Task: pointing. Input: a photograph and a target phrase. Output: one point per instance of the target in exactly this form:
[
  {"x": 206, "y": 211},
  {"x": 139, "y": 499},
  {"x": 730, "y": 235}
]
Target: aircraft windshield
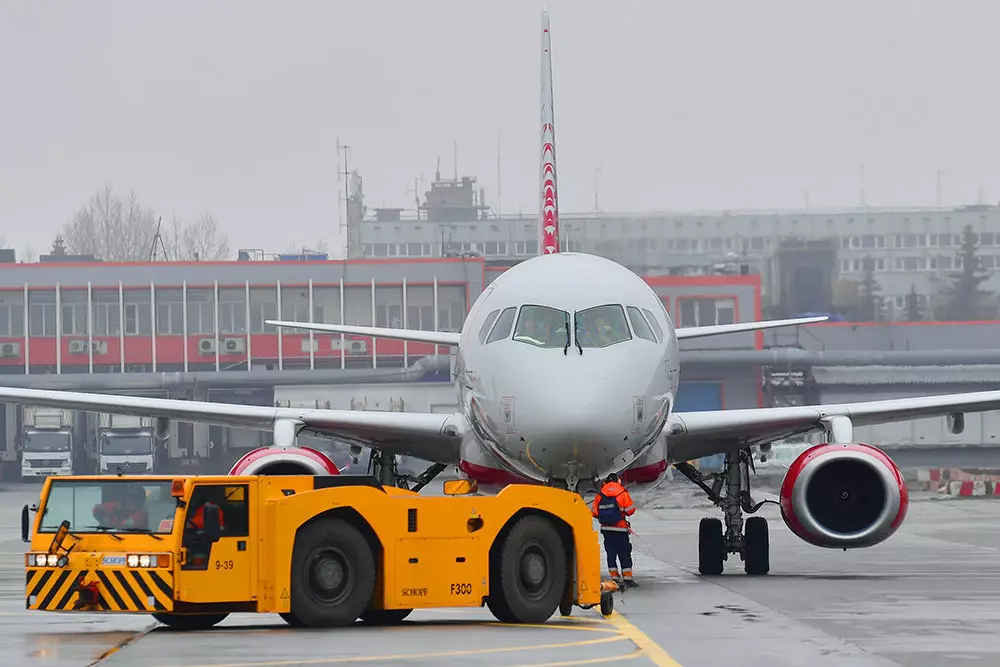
[
  {"x": 601, "y": 326},
  {"x": 47, "y": 442},
  {"x": 116, "y": 504},
  {"x": 122, "y": 445},
  {"x": 542, "y": 326}
]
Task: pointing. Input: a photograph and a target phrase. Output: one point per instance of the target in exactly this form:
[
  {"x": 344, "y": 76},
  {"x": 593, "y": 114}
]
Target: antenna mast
[{"x": 346, "y": 220}]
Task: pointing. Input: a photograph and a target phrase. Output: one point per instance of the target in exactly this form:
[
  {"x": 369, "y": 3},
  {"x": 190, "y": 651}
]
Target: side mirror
[
  {"x": 24, "y": 524},
  {"x": 460, "y": 487},
  {"x": 213, "y": 526}
]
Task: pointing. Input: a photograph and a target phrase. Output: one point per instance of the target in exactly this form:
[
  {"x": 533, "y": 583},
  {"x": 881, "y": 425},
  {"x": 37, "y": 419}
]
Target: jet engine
[
  {"x": 843, "y": 496},
  {"x": 285, "y": 461}
]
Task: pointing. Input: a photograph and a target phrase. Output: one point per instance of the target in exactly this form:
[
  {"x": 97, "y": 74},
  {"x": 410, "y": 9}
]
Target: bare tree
[
  {"x": 29, "y": 256},
  {"x": 200, "y": 241},
  {"x": 3, "y": 241},
  {"x": 112, "y": 229},
  {"x": 319, "y": 246}
]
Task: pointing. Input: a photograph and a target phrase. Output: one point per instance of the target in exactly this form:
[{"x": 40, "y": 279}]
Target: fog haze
[{"x": 237, "y": 106}]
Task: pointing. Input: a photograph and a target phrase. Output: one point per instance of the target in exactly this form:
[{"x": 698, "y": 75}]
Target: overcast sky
[{"x": 237, "y": 106}]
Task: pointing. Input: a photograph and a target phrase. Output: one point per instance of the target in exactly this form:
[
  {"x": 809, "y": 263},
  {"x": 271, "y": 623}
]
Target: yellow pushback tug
[{"x": 319, "y": 551}]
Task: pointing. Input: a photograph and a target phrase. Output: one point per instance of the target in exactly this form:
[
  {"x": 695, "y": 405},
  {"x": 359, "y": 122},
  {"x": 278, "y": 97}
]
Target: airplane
[{"x": 567, "y": 369}]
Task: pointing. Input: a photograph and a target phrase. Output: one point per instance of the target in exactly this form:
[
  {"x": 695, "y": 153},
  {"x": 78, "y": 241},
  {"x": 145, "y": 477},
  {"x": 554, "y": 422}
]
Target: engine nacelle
[
  {"x": 843, "y": 496},
  {"x": 285, "y": 461}
]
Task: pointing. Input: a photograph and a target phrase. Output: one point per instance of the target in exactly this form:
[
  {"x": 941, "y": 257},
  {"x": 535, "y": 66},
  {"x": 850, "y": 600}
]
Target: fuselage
[{"x": 567, "y": 368}]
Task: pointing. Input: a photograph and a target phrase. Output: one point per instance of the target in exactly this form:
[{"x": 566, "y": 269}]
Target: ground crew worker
[
  {"x": 197, "y": 520},
  {"x": 126, "y": 513},
  {"x": 611, "y": 505}
]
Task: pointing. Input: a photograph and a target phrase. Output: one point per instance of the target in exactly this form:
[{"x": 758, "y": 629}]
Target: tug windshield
[{"x": 112, "y": 505}]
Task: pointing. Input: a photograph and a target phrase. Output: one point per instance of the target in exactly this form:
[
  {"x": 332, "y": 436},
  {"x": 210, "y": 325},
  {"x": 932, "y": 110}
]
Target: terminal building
[{"x": 196, "y": 330}]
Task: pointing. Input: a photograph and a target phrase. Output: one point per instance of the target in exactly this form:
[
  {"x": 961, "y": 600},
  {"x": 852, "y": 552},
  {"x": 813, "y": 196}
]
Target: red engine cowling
[
  {"x": 285, "y": 461},
  {"x": 843, "y": 496}
]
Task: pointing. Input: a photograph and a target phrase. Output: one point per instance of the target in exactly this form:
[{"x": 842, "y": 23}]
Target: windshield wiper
[
  {"x": 144, "y": 531},
  {"x": 109, "y": 530},
  {"x": 566, "y": 349},
  {"x": 576, "y": 334}
]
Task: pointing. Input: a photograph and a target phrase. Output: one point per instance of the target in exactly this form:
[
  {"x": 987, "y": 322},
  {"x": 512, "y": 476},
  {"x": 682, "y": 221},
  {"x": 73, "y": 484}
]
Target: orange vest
[{"x": 624, "y": 500}]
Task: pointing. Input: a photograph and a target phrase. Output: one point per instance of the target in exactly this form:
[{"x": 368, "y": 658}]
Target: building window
[
  {"x": 11, "y": 319},
  {"x": 700, "y": 312},
  {"x": 107, "y": 317},
  {"x": 42, "y": 313}
]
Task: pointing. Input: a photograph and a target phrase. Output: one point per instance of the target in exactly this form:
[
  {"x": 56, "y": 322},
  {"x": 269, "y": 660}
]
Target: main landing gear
[
  {"x": 730, "y": 490},
  {"x": 384, "y": 468}
]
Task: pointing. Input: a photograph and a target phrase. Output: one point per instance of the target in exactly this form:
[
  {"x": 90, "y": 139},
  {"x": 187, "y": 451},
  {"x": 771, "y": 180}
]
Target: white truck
[
  {"x": 126, "y": 444},
  {"x": 46, "y": 442}
]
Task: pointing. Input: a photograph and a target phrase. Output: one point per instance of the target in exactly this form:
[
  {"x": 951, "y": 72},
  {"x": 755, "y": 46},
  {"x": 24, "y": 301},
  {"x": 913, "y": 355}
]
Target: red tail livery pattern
[{"x": 549, "y": 209}]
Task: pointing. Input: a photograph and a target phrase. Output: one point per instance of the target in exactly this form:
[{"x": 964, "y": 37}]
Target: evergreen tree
[
  {"x": 966, "y": 300},
  {"x": 914, "y": 313},
  {"x": 870, "y": 307}
]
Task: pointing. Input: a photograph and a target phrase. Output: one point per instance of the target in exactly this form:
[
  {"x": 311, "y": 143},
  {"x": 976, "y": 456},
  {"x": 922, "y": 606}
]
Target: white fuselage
[{"x": 547, "y": 411}]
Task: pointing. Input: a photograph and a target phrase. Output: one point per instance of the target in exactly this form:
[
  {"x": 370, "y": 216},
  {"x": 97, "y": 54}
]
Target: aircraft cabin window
[
  {"x": 601, "y": 326},
  {"x": 542, "y": 326},
  {"x": 487, "y": 324},
  {"x": 639, "y": 324},
  {"x": 503, "y": 326},
  {"x": 657, "y": 329}
]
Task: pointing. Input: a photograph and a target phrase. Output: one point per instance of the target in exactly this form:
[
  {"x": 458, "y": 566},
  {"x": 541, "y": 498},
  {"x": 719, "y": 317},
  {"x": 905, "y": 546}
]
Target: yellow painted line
[
  {"x": 650, "y": 649},
  {"x": 586, "y": 626},
  {"x": 588, "y": 661},
  {"x": 417, "y": 656}
]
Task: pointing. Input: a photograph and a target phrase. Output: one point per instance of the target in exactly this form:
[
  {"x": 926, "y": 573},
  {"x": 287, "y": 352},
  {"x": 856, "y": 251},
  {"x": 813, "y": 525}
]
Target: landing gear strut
[
  {"x": 730, "y": 490},
  {"x": 385, "y": 469}
]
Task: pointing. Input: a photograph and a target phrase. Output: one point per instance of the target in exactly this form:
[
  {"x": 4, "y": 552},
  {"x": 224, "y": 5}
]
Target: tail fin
[{"x": 549, "y": 210}]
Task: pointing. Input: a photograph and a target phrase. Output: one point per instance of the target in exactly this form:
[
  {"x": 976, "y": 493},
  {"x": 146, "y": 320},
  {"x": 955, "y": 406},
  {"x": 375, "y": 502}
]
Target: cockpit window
[
  {"x": 504, "y": 324},
  {"x": 542, "y": 326},
  {"x": 657, "y": 329},
  {"x": 487, "y": 324},
  {"x": 601, "y": 326},
  {"x": 639, "y": 324}
]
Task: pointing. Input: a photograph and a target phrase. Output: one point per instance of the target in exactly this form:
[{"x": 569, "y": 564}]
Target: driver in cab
[{"x": 125, "y": 509}]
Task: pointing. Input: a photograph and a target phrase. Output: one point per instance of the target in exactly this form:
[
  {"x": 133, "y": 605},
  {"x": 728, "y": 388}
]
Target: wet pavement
[{"x": 926, "y": 597}]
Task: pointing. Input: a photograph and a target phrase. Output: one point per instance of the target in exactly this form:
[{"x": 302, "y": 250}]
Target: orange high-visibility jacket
[{"x": 621, "y": 496}]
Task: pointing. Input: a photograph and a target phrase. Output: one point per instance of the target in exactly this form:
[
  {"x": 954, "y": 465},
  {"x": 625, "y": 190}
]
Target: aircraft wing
[
  {"x": 739, "y": 327},
  {"x": 432, "y": 437},
  {"x": 414, "y": 335},
  {"x": 692, "y": 435}
]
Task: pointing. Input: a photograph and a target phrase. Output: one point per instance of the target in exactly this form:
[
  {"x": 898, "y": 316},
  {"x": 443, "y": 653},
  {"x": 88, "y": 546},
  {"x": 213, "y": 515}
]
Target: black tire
[
  {"x": 187, "y": 622},
  {"x": 756, "y": 546},
  {"x": 385, "y": 616},
  {"x": 711, "y": 547},
  {"x": 532, "y": 573},
  {"x": 291, "y": 619},
  {"x": 565, "y": 608},
  {"x": 607, "y": 603},
  {"x": 333, "y": 574}
]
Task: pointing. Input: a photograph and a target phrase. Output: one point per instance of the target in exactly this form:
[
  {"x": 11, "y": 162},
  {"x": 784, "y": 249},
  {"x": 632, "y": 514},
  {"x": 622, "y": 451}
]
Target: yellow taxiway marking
[
  {"x": 421, "y": 656},
  {"x": 650, "y": 649},
  {"x": 638, "y": 653}
]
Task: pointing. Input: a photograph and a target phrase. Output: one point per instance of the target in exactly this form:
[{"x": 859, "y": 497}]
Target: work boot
[
  {"x": 615, "y": 577},
  {"x": 629, "y": 581}
]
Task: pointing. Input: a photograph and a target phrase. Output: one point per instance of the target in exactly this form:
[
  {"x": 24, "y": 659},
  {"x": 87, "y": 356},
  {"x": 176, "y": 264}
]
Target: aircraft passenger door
[{"x": 220, "y": 571}]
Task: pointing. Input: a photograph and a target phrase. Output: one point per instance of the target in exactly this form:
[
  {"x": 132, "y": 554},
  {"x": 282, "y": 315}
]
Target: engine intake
[
  {"x": 285, "y": 461},
  {"x": 843, "y": 496}
]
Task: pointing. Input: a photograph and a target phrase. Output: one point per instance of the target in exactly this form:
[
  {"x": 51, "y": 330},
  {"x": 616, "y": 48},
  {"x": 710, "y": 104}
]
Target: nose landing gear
[{"x": 730, "y": 490}]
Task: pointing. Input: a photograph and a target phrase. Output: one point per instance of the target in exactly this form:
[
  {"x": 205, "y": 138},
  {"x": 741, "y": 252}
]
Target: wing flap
[
  {"x": 693, "y": 435},
  {"x": 684, "y": 333},
  {"x": 412, "y": 335},
  {"x": 428, "y": 436}
]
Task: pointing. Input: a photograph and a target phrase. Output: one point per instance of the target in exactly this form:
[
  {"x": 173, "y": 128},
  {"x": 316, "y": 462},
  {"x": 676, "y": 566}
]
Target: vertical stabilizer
[{"x": 549, "y": 210}]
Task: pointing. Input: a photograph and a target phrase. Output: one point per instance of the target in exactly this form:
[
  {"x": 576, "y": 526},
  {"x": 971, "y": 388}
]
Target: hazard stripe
[{"x": 121, "y": 590}]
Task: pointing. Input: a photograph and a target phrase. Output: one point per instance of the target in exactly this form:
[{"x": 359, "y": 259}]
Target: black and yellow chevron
[{"x": 121, "y": 590}]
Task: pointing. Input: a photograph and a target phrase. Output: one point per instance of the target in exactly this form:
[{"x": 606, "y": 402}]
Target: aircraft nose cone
[{"x": 589, "y": 421}]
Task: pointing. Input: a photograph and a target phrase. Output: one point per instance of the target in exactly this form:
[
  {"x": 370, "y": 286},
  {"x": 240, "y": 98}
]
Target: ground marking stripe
[
  {"x": 417, "y": 656},
  {"x": 651, "y": 649}
]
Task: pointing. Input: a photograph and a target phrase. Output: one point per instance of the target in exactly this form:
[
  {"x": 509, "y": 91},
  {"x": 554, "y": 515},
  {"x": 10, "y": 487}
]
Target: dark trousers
[{"x": 619, "y": 549}]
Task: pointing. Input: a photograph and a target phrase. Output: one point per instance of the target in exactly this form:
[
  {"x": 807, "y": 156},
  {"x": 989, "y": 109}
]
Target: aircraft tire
[
  {"x": 333, "y": 574},
  {"x": 711, "y": 547},
  {"x": 756, "y": 559},
  {"x": 187, "y": 622},
  {"x": 532, "y": 571},
  {"x": 385, "y": 616}
]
